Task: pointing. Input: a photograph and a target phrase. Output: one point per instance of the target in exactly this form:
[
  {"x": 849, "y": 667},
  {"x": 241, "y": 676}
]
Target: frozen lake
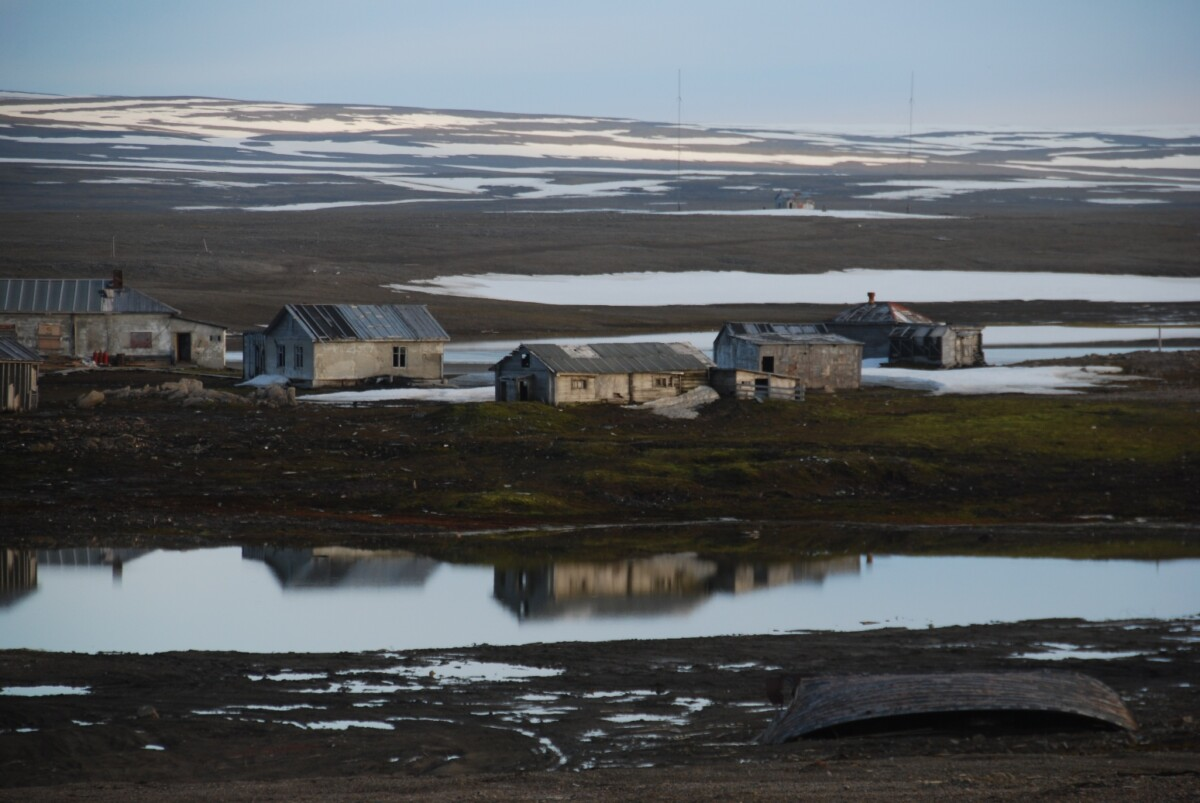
[
  {"x": 700, "y": 288},
  {"x": 331, "y": 599}
]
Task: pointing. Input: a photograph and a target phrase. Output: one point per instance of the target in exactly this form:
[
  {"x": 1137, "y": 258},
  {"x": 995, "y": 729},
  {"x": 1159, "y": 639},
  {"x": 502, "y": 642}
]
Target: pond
[{"x": 264, "y": 599}]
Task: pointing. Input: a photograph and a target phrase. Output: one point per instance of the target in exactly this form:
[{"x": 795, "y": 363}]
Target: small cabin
[
  {"x": 805, "y": 352},
  {"x": 872, "y": 323},
  {"x": 939, "y": 346},
  {"x": 613, "y": 373},
  {"x": 83, "y": 318},
  {"x": 332, "y": 345}
]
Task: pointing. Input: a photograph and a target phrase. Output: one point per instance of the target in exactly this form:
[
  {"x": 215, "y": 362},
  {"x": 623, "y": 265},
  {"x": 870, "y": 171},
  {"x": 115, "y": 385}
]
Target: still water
[{"x": 258, "y": 599}]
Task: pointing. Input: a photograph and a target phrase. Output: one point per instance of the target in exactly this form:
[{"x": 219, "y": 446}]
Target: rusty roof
[
  {"x": 76, "y": 296},
  {"x": 880, "y": 312},
  {"x": 820, "y": 703},
  {"x": 334, "y": 322},
  {"x": 618, "y": 358}
]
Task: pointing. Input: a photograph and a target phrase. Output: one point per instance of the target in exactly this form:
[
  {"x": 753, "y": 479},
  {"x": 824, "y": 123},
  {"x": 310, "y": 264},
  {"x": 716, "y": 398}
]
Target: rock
[
  {"x": 147, "y": 712},
  {"x": 90, "y": 399}
]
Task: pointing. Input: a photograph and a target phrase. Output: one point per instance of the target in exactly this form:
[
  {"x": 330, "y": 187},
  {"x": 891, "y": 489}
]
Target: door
[
  {"x": 523, "y": 390},
  {"x": 183, "y": 347}
]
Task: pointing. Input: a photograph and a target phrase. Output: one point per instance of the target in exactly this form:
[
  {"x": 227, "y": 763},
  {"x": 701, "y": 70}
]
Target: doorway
[{"x": 183, "y": 347}]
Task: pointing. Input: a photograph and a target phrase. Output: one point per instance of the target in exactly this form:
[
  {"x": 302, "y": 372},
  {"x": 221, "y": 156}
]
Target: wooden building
[
  {"x": 872, "y": 323},
  {"x": 18, "y": 376},
  {"x": 803, "y": 352},
  {"x": 938, "y": 346},
  {"x": 616, "y": 373},
  {"x": 84, "y": 317},
  {"x": 330, "y": 345}
]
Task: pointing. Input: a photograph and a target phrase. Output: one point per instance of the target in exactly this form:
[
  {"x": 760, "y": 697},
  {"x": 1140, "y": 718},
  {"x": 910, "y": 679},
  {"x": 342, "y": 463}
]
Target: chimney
[
  {"x": 118, "y": 280},
  {"x": 870, "y": 298}
]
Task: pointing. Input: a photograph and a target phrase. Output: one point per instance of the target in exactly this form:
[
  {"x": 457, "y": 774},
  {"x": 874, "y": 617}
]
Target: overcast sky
[{"x": 1053, "y": 63}]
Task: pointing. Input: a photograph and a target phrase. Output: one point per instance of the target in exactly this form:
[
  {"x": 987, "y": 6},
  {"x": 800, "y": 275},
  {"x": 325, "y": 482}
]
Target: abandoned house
[
  {"x": 937, "y": 346},
  {"x": 323, "y": 345},
  {"x": 18, "y": 376},
  {"x": 618, "y": 373},
  {"x": 764, "y": 353},
  {"x": 85, "y": 317},
  {"x": 872, "y": 323}
]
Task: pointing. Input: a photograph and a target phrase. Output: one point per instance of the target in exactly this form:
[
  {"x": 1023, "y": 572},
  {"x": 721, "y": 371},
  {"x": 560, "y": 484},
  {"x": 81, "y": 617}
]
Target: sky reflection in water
[{"x": 278, "y": 600}]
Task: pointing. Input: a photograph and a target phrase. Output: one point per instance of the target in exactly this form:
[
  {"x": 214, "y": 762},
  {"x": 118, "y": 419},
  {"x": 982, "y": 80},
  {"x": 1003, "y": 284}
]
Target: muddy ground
[{"x": 672, "y": 720}]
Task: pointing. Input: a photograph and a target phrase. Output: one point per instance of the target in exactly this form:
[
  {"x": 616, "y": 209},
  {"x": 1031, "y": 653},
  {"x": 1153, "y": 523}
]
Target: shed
[
  {"x": 82, "y": 317},
  {"x": 872, "y": 323},
  {"x": 804, "y": 352},
  {"x": 322, "y": 345},
  {"x": 18, "y": 376},
  {"x": 618, "y": 373},
  {"x": 938, "y": 346}
]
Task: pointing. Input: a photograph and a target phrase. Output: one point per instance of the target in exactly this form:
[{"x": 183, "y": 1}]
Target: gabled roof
[
  {"x": 767, "y": 333},
  {"x": 75, "y": 296},
  {"x": 880, "y": 312},
  {"x": 334, "y": 322},
  {"x": 618, "y": 358},
  {"x": 12, "y": 351}
]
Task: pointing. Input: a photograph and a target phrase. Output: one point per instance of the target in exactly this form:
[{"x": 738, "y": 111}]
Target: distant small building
[
  {"x": 616, "y": 373},
  {"x": 18, "y": 376},
  {"x": 323, "y": 345},
  {"x": 805, "y": 352},
  {"x": 82, "y": 317},
  {"x": 872, "y": 323},
  {"x": 937, "y": 346},
  {"x": 793, "y": 201}
]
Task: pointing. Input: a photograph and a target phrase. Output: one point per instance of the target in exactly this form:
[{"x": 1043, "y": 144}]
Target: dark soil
[{"x": 674, "y": 720}]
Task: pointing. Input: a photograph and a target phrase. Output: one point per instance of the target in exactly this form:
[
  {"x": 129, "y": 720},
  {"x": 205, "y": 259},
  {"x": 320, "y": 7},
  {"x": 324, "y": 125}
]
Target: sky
[{"x": 1029, "y": 63}]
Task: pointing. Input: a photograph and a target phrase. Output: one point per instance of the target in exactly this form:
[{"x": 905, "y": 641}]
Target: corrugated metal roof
[
  {"x": 920, "y": 331},
  {"x": 330, "y": 322},
  {"x": 75, "y": 296},
  {"x": 794, "y": 333},
  {"x": 12, "y": 351},
  {"x": 881, "y": 312},
  {"x": 619, "y": 358}
]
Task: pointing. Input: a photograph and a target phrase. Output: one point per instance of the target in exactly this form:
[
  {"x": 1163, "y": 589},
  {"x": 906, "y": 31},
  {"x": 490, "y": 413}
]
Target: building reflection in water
[
  {"x": 19, "y": 567},
  {"x": 661, "y": 584},
  {"x": 329, "y": 567}
]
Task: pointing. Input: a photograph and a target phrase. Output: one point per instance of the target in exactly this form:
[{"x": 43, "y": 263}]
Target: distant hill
[{"x": 197, "y": 154}]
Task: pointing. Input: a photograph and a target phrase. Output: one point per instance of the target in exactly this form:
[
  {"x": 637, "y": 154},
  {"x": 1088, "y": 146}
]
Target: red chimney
[
  {"x": 870, "y": 298},
  {"x": 118, "y": 280}
]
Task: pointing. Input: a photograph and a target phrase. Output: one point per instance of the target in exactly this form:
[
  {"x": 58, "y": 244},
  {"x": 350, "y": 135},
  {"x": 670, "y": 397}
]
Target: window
[
  {"x": 666, "y": 381},
  {"x": 298, "y": 356},
  {"x": 579, "y": 384},
  {"x": 524, "y": 359},
  {"x": 399, "y": 357},
  {"x": 768, "y": 365},
  {"x": 280, "y": 356},
  {"x": 140, "y": 340}
]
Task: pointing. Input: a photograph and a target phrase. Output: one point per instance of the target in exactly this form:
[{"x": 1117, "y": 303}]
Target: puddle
[
  {"x": 288, "y": 676},
  {"x": 43, "y": 691},
  {"x": 405, "y": 602},
  {"x": 154, "y": 747},
  {"x": 1061, "y": 652},
  {"x": 339, "y": 725}
]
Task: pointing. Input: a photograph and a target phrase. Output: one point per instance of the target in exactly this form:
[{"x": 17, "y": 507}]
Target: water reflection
[
  {"x": 333, "y": 599},
  {"x": 331, "y": 567},
  {"x": 656, "y": 585}
]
